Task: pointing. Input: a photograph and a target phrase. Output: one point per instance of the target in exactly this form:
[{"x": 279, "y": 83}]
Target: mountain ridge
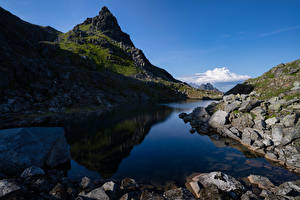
[{"x": 47, "y": 71}]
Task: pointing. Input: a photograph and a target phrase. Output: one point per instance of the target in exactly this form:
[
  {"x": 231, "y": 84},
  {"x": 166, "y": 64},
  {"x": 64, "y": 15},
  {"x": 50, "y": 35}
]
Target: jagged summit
[{"x": 107, "y": 23}]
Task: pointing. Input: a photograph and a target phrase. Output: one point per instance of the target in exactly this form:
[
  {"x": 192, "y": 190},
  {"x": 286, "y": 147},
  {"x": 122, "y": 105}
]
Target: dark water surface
[{"x": 152, "y": 145}]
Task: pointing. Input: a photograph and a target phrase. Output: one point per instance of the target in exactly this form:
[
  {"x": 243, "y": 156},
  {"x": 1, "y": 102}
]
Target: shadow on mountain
[{"x": 101, "y": 143}]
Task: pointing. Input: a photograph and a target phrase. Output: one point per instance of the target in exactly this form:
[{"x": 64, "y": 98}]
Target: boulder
[
  {"x": 178, "y": 194},
  {"x": 17, "y": 152},
  {"x": 200, "y": 114},
  {"x": 259, "y": 112},
  {"x": 243, "y": 121},
  {"x": 97, "y": 194},
  {"x": 289, "y": 120},
  {"x": 229, "y": 98},
  {"x": 222, "y": 181},
  {"x": 112, "y": 189},
  {"x": 32, "y": 171},
  {"x": 249, "y": 196},
  {"x": 277, "y": 135},
  {"x": 289, "y": 188},
  {"x": 218, "y": 119},
  {"x": 232, "y": 106},
  {"x": 246, "y": 106},
  {"x": 260, "y": 124},
  {"x": 8, "y": 187},
  {"x": 262, "y": 182},
  {"x": 249, "y": 136},
  {"x": 272, "y": 121},
  {"x": 276, "y": 107},
  {"x": 296, "y": 85}
]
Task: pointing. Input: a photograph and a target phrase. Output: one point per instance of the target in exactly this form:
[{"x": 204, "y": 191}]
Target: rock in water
[
  {"x": 21, "y": 148},
  {"x": 218, "y": 119}
]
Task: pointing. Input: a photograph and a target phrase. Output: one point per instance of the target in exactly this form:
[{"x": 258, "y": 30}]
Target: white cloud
[
  {"x": 280, "y": 31},
  {"x": 217, "y": 75}
]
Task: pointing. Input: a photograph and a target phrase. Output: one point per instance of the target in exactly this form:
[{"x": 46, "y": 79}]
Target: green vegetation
[{"x": 279, "y": 80}]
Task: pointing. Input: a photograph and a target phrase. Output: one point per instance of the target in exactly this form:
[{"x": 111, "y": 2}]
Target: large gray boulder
[
  {"x": 246, "y": 106},
  {"x": 21, "y": 148},
  {"x": 218, "y": 119},
  {"x": 7, "y": 187},
  {"x": 232, "y": 106},
  {"x": 288, "y": 188},
  {"x": 221, "y": 181}
]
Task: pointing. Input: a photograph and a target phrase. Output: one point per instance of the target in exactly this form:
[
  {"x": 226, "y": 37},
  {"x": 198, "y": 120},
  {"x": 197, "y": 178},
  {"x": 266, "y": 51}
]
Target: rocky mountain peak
[{"x": 107, "y": 23}]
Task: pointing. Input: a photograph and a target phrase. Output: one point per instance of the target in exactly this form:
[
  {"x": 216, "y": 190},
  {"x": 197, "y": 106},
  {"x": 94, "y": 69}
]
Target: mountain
[
  {"x": 93, "y": 65},
  {"x": 207, "y": 86},
  {"x": 282, "y": 80}
]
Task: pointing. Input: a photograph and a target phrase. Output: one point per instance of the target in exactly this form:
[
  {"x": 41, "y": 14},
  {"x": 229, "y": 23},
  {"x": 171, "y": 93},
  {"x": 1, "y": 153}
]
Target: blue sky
[{"x": 185, "y": 37}]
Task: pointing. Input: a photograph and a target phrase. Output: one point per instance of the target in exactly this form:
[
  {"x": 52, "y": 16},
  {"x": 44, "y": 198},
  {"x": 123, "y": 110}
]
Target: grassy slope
[
  {"x": 117, "y": 60},
  {"x": 278, "y": 80}
]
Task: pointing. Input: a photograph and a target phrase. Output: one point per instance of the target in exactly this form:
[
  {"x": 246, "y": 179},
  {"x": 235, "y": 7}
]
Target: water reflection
[
  {"x": 100, "y": 144},
  {"x": 152, "y": 145}
]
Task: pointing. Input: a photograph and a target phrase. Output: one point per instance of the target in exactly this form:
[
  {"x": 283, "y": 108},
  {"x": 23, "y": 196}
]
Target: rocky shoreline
[
  {"x": 37, "y": 183},
  {"x": 268, "y": 127}
]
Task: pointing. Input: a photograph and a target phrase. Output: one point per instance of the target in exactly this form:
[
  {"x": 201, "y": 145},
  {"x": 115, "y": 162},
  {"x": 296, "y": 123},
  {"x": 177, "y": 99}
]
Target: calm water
[{"x": 152, "y": 145}]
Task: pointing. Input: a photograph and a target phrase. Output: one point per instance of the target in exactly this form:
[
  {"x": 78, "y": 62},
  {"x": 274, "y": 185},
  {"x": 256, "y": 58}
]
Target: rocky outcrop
[
  {"x": 270, "y": 127},
  {"x": 23, "y": 147}
]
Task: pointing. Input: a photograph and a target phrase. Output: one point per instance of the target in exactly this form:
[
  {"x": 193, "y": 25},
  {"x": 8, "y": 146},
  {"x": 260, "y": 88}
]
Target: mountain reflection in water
[
  {"x": 152, "y": 145},
  {"x": 100, "y": 144}
]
